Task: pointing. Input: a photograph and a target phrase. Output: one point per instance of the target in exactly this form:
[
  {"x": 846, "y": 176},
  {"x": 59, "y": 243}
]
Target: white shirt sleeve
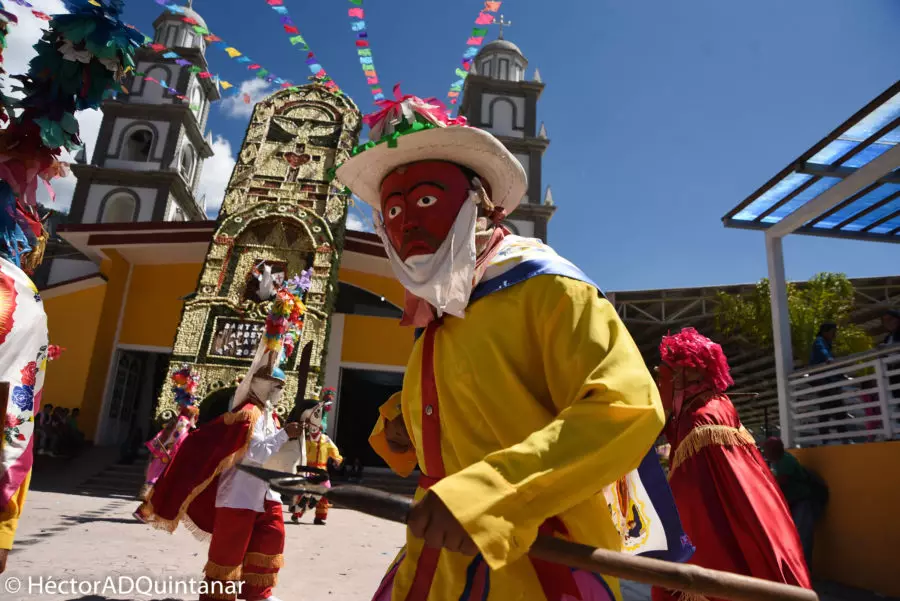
[{"x": 263, "y": 447}]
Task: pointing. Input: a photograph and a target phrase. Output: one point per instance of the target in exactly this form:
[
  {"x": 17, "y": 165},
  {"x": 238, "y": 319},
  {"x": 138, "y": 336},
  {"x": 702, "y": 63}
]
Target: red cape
[
  {"x": 188, "y": 486},
  {"x": 729, "y": 503}
]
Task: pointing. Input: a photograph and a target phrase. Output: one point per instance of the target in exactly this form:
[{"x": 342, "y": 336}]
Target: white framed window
[
  {"x": 187, "y": 163},
  {"x": 486, "y": 68},
  {"x": 189, "y": 39},
  {"x": 171, "y": 32},
  {"x": 120, "y": 208},
  {"x": 137, "y": 145},
  {"x": 196, "y": 99},
  {"x": 503, "y": 68}
]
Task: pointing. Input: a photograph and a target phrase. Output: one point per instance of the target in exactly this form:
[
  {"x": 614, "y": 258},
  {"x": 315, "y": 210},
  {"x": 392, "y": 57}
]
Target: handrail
[{"x": 883, "y": 350}]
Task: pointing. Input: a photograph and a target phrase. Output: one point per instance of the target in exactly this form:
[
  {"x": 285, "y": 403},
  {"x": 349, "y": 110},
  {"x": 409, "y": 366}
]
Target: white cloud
[
  {"x": 235, "y": 105},
  {"x": 215, "y": 175},
  {"x": 359, "y": 219},
  {"x": 26, "y": 33}
]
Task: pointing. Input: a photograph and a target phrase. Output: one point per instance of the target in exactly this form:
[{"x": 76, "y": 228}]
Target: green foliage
[{"x": 826, "y": 297}]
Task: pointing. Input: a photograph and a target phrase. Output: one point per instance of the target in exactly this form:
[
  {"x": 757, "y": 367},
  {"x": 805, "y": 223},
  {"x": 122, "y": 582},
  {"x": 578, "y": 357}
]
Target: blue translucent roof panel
[
  {"x": 833, "y": 151},
  {"x": 824, "y": 166},
  {"x": 875, "y": 216},
  {"x": 875, "y": 120},
  {"x": 773, "y": 195},
  {"x": 857, "y": 206},
  {"x": 887, "y": 226},
  {"x": 801, "y": 199},
  {"x": 867, "y": 155}
]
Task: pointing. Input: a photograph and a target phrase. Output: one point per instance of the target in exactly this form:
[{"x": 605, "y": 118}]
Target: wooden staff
[{"x": 670, "y": 575}]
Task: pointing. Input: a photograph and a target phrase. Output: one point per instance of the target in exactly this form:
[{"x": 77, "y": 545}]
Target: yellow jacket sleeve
[
  {"x": 334, "y": 453},
  {"x": 402, "y": 463},
  {"x": 9, "y": 515},
  {"x": 608, "y": 416}
]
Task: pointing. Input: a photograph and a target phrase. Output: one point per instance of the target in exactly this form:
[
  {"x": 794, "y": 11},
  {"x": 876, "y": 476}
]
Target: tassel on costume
[{"x": 703, "y": 436}]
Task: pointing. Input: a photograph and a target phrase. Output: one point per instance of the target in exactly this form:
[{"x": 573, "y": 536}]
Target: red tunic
[{"x": 728, "y": 500}]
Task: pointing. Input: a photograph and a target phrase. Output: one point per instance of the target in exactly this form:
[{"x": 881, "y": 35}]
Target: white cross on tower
[{"x": 501, "y": 23}]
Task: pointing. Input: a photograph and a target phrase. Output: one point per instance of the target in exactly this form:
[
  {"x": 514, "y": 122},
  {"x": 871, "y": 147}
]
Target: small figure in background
[
  {"x": 320, "y": 451},
  {"x": 166, "y": 443}
]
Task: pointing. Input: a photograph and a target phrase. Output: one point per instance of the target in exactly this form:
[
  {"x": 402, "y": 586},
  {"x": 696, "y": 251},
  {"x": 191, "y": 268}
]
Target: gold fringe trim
[
  {"x": 262, "y": 560},
  {"x": 703, "y": 436},
  {"x": 215, "y": 571},
  {"x": 256, "y": 579},
  {"x": 250, "y": 415},
  {"x": 683, "y": 596}
]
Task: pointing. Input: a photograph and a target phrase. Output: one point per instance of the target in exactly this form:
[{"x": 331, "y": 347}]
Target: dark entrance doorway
[{"x": 362, "y": 393}]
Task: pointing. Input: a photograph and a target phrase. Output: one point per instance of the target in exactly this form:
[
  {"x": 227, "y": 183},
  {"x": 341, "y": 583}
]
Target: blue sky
[{"x": 662, "y": 114}]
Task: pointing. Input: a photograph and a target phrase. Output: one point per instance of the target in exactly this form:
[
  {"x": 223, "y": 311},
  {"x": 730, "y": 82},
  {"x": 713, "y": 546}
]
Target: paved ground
[{"x": 65, "y": 536}]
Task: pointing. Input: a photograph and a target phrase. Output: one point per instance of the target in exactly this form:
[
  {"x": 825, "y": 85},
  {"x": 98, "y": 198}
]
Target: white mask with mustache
[{"x": 443, "y": 278}]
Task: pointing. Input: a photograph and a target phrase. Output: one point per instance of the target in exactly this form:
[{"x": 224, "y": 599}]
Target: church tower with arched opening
[
  {"x": 152, "y": 142},
  {"x": 498, "y": 98}
]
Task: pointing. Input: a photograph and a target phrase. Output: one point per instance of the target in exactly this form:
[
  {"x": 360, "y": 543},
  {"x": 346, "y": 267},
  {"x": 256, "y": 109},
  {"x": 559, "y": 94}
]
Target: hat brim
[{"x": 467, "y": 146}]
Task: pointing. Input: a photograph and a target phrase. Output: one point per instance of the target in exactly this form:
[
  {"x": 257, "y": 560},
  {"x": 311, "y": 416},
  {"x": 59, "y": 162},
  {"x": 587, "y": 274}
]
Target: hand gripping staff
[{"x": 673, "y": 576}]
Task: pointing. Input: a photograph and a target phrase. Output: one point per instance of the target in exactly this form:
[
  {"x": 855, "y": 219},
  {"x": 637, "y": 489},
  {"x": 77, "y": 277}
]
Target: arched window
[
  {"x": 356, "y": 301},
  {"x": 171, "y": 32},
  {"x": 503, "y": 68},
  {"x": 503, "y": 116},
  {"x": 189, "y": 39},
  {"x": 119, "y": 208},
  {"x": 197, "y": 101},
  {"x": 187, "y": 162},
  {"x": 485, "y": 68},
  {"x": 516, "y": 72},
  {"x": 138, "y": 144}
]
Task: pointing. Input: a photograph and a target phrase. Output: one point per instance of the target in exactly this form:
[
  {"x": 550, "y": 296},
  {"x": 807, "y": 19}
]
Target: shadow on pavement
[{"x": 81, "y": 519}]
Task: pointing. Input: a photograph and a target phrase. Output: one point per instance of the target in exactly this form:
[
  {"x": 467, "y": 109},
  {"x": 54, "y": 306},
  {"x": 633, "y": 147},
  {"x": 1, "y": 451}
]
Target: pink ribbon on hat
[{"x": 392, "y": 111}]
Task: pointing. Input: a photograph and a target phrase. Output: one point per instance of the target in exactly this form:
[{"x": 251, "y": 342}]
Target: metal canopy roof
[{"x": 861, "y": 156}]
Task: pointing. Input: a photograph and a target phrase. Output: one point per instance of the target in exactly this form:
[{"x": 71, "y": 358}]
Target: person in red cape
[
  {"x": 203, "y": 487},
  {"x": 729, "y": 503}
]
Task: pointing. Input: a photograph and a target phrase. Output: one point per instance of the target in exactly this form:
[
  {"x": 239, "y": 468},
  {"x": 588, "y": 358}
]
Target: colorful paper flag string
[
  {"x": 363, "y": 49},
  {"x": 215, "y": 41},
  {"x": 297, "y": 39},
  {"x": 476, "y": 38}
]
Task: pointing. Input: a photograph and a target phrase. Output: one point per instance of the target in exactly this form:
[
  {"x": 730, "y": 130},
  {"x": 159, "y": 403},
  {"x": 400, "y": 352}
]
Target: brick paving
[{"x": 64, "y": 536}]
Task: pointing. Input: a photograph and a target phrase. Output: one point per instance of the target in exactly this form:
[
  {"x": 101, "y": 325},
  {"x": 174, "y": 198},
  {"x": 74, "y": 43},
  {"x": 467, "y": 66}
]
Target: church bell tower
[
  {"x": 151, "y": 146},
  {"x": 498, "y": 99}
]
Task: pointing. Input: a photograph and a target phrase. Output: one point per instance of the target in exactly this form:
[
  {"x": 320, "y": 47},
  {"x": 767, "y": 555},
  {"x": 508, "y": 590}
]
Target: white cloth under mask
[{"x": 443, "y": 278}]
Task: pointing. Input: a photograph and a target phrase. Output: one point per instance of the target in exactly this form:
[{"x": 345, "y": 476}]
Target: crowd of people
[{"x": 57, "y": 432}]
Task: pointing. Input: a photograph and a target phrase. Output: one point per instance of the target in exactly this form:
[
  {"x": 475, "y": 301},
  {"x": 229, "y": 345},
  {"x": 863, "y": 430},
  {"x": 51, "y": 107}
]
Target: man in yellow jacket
[{"x": 525, "y": 403}]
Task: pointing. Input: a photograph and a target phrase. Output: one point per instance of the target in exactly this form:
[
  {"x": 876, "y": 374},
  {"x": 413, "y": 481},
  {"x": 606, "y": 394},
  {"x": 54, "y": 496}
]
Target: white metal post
[
  {"x": 781, "y": 333},
  {"x": 884, "y": 396}
]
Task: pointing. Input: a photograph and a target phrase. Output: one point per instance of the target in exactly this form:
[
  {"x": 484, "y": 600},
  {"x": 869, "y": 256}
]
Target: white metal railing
[{"x": 855, "y": 399}]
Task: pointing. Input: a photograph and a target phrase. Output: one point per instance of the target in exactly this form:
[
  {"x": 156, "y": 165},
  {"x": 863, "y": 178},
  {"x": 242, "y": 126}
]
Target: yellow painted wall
[
  {"x": 378, "y": 340},
  {"x": 858, "y": 538},
  {"x": 72, "y": 320},
  {"x": 116, "y": 271},
  {"x": 389, "y": 288},
  {"x": 154, "y": 307}
]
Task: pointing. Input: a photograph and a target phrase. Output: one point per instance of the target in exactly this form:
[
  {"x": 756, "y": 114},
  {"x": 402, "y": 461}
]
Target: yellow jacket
[
  {"x": 544, "y": 400},
  {"x": 9, "y": 515},
  {"x": 319, "y": 451}
]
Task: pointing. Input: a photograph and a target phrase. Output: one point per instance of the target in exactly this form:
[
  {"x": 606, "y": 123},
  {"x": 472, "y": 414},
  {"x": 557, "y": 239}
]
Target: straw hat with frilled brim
[{"x": 412, "y": 130}]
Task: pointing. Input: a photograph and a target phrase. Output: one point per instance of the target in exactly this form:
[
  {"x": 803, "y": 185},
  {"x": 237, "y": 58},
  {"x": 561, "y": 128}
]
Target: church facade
[{"x": 148, "y": 258}]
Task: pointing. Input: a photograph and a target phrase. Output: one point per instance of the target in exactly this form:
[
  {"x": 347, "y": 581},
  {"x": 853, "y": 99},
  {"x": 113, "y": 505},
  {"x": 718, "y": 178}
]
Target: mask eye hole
[
  {"x": 427, "y": 201},
  {"x": 394, "y": 211}
]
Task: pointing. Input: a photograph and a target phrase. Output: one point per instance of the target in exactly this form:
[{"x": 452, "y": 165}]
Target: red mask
[
  {"x": 675, "y": 389},
  {"x": 420, "y": 202}
]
